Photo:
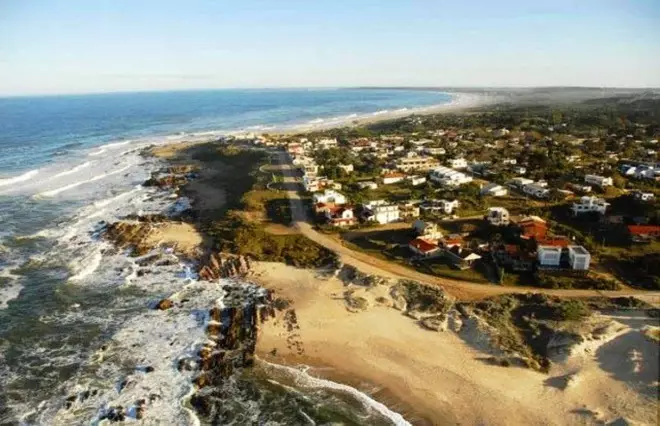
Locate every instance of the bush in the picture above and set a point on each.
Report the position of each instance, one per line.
(572, 310)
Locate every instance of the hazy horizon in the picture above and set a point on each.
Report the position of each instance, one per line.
(82, 47)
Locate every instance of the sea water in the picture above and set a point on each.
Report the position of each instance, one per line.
(74, 314)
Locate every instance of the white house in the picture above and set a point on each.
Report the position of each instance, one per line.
(417, 180)
(342, 216)
(393, 178)
(511, 161)
(536, 190)
(367, 185)
(449, 177)
(501, 132)
(327, 143)
(457, 163)
(348, 168)
(589, 204)
(643, 196)
(521, 181)
(519, 170)
(448, 206)
(407, 164)
(579, 258)
(497, 216)
(329, 196)
(386, 213)
(434, 150)
(548, 255)
(494, 190)
(598, 180)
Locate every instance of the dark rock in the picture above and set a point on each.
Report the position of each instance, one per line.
(148, 369)
(164, 304)
(115, 414)
(69, 401)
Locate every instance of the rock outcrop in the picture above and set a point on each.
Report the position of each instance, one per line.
(130, 235)
(220, 265)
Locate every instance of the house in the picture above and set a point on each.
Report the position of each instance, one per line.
(295, 148)
(533, 227)
(340, 216)
(521, 182)
(448, 207)
(408, 164)
(461, 258)
(424, 248)
(417, 180)
(330, 196)
(555, 241)
(449, 177)
(501, 132)
(497, 216)
(457, 163)
(643, 233)
(315, 184)
(434, 151)
(510, 161)
(384, 213)
(347, 168)
(536, 190)
(427, 230)
(367, 185)
(598, 180)
(453, 240)
(519, 170)
(578, 258)
(408, 211)
(584, 189)
(589, 204)
(327, 143)
(494, 190)
(643, 196)
(393, 178)
(548, 256)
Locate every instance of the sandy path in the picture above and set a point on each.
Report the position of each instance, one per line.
(460, 289)
(438, 378)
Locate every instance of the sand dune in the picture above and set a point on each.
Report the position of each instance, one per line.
(435, 378)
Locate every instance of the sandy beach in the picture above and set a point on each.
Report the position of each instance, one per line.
(437, 378)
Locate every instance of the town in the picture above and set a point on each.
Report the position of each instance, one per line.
(530, 197)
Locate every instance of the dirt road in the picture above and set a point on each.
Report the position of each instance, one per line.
(371, 265)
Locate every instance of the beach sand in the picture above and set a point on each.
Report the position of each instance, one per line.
(435, 378)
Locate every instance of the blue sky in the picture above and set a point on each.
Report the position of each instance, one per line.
(79, 46)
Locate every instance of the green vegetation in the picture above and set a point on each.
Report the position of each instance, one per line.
(547, 280)
(240, 226)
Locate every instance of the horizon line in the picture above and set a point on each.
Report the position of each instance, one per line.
(360, 87)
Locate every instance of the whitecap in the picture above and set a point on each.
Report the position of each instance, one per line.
(56, 191)
(73, 170)
(17, 179)
(87, 266)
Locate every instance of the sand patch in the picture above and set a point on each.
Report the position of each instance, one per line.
(436, 377)
(184, 237)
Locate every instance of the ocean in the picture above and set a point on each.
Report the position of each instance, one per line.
(75, 320)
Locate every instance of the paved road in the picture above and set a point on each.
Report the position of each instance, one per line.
(368, 264)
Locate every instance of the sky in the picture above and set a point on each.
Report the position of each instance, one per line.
(82, 46)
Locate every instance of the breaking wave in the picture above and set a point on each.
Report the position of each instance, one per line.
(17, 179)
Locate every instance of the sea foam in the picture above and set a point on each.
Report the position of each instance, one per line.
(17, 179)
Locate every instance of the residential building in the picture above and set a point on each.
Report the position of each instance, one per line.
(494, 190)
(367, 185)
(643, 233)
(511, 161)
(497, 216)
(383, 213)
(434, 150)
(427, 230)
(578, 258)
(501, 132)
(424, 248)
(457, 163)
(643, 196)
(408, 164)
(548, 256)
(340, 216)
(393, 178)
(327, 143)
(519, 170)
(347, 168)
(449, 177)
(536, 190)
(330, 196)
(295, 148)
(533, 227)
(521, 182)
(589, 204)
(417, 180)
(598, 180)
(461, 258)
(408, 211)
